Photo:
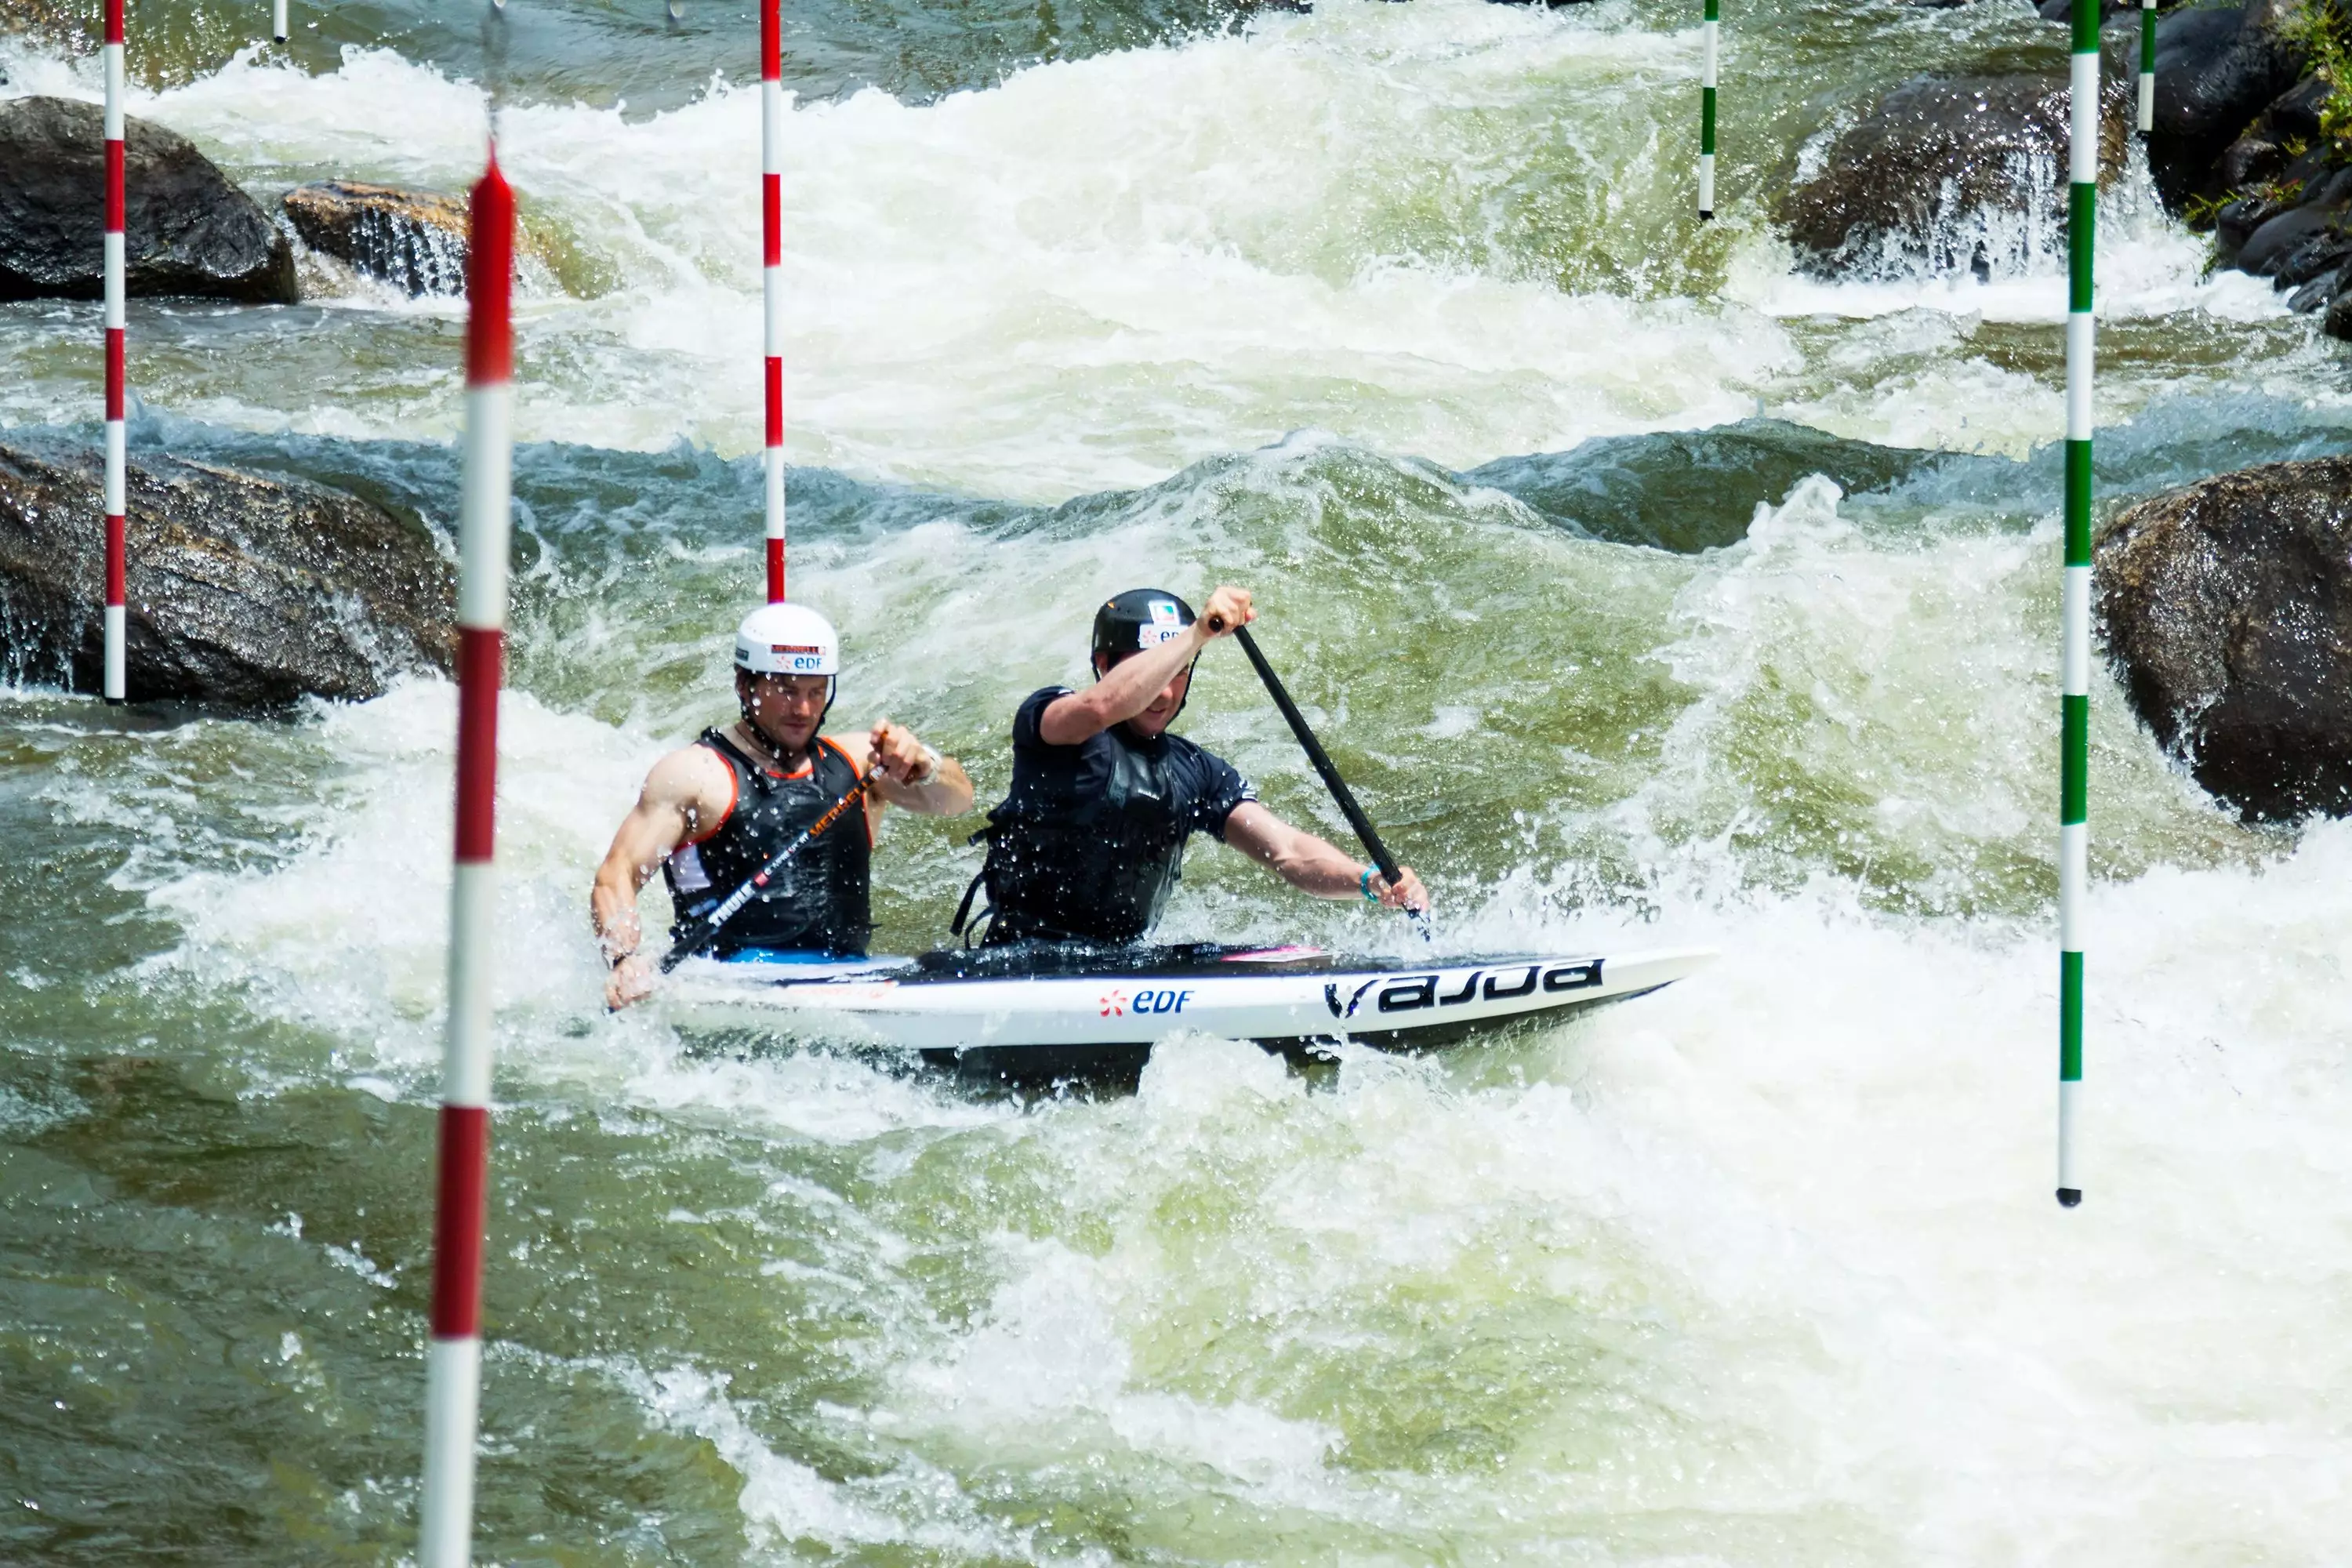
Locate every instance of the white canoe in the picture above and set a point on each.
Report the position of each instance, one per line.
(1031, 1010)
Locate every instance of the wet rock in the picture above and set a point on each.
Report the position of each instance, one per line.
(2214, 74)
(1965, 173)
(2292, 234)
(2337, 323)
(415, 241)
(2286, 131)
(244, 592)
(2228, 611)
(2236, 223)
(2316, 258)
(187, 231)
(2251, 160)
(2297, 245)
(2318, 291)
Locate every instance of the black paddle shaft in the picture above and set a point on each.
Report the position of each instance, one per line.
(735, 901)
(1322, 761)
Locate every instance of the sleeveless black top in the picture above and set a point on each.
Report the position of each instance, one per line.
(819, 901)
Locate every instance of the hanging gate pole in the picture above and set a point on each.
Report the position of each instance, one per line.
(772, 282)
(117, 629)
(2147, 65)
(278, 20)
(1707, 29)
(2074, 663)
(454, 1364)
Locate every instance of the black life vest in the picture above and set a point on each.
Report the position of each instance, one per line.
(819, 900)
(1100, 872)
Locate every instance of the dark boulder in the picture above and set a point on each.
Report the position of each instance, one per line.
(2264, 151)
(1968, 173)
(415, 241)
(2235, 224)
(2294, 234)
(186, 230)
(2318, 290)
(244, 591)
(2228, 611)
(2215, 73)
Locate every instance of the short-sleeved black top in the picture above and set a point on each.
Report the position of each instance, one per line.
(1048, 780)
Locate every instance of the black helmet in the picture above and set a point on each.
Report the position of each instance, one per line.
(1138, 619)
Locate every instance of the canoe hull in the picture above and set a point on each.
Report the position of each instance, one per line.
(982, 1014)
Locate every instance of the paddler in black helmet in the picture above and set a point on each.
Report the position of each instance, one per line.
(1090, 839)
(712, 813)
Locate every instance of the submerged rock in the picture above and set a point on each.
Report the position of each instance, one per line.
(415, 241)
(186, 230)
(244, 591)
(1964, 174)
(1688, 491)
(2228, 608)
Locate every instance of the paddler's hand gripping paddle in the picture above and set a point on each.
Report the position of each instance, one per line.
(1331, 779)
(734, 902)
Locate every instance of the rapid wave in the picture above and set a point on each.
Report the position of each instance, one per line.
(1763, 1268)
(1449, 230)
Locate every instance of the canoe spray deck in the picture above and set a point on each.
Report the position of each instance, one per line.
(1036, 1011)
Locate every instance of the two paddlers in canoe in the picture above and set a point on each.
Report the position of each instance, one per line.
(1086, 846)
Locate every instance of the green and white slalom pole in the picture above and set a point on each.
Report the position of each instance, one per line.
(1707, 30)
(2147, 65)
(2075, 700)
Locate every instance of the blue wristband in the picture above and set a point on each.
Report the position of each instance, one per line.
(1364, 885)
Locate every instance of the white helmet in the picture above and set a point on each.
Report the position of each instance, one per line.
(787, 639)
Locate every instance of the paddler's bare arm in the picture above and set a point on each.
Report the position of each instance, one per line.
(1135, 681)
(908, 774)
(685, 795)
(1315, 865)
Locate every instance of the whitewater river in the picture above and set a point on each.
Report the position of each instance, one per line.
(1649, 593)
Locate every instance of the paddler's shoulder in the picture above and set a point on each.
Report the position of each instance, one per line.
(1031, 714)
(693, 773)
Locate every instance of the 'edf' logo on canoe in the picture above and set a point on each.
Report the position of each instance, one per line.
(1116, 1004)
(1409, 992)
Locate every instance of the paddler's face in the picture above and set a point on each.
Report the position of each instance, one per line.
(786, 708)
(1155, 719)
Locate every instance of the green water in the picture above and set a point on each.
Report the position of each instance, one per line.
(1648, 594)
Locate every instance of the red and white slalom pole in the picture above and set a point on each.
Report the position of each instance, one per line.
(772, 282)
(454, 1385)
(117, 482)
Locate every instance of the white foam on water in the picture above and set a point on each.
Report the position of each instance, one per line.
(787, 1502)
(1801, 1206)
(1082, 277)
(1764, 1267)
(348, 934)
(2148, 264)
(1088, 277)
(784, 1499)
(1766, 1261)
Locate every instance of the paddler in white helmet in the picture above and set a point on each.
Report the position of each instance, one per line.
(712, 813)
(1089, 841)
